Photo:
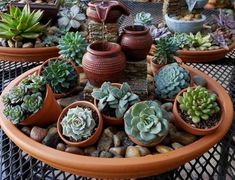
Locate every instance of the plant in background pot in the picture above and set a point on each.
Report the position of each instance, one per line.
(146, 123)
(61, 75)
(28, 102)
(199, 41)
(170, 80)
(143, 18)
(197, 110)
(80, 124)
(113, 100)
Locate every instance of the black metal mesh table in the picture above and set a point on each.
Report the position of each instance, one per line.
(217, 163)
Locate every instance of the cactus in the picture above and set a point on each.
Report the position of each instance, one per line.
(111, 97)
(143, 19)
(198, 103)
(78, 124)
(170, 80)
(72, 47)
(147, 122)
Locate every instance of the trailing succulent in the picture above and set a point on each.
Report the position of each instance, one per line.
(78, 124)
(147, 122)
(170, 80)
(24, 99)
(21, 24)
(198, 103)
(143, 19)
(72, 47)
(60, 75)
(112, 98)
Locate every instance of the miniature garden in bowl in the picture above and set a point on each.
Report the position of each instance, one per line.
(80, 125)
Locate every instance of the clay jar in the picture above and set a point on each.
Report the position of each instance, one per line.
(136, 42)
(104, 61)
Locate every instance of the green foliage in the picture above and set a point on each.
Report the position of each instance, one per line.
(170, 80)
(143, 19)
(146, 121)
(200, 41)
(181, 39)
(72, 47)
(111, 97)
(24, 99)
(78, 124)
(198, 103)
(21, 24)
(60, 75)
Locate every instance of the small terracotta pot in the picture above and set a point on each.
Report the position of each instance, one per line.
(104, 61)
(112, 121)
(78, 69)
(179, 121)
(95, 136)
(136, 141)
(136, 42)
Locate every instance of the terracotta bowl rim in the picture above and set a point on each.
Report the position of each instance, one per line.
(139, 32)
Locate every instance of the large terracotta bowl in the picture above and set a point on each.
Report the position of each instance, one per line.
(120, 168)
(28, 54)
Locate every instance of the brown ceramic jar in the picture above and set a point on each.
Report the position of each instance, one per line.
(136, 42)
(104, 61)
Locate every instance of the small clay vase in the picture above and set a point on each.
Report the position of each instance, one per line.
(104, 61)
(136, 42)
(106, 11)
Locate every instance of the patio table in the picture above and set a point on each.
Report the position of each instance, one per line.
(217, 163)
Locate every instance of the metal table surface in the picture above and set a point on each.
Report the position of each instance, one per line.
(217, 163)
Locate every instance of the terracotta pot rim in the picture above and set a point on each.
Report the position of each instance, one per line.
(128, 30)
(93, 3)
(80, 104)
(114, 48)
(136, 141)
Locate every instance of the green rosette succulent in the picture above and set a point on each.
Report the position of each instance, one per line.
(170, 80)
(78, 124)
(117, 99)
(14, 113)
(72, 47)
(198, 103)
(147, 122)
(200, 41)
(143, 18)
(32, 103)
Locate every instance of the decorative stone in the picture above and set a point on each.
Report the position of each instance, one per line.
(118, 151)
(95, 153)
(171, 116)
(10, 43)
(52, 137)
(89, 150)
(18, 44)
(74, 150)
(61, 147)
(198, 80)
(110, 131)
(52, 30)
(163, 149)
(149, 70)
(167, 106)
(106, 154)
(105, 143)
(143, 150)
(87, 92)
(63, 102)
(127, 142)
(132, 151)
(27, 45)
(176, 145)
(38, 44)
(116, 140)
(38, 133)
(26, 130)
(150, 79)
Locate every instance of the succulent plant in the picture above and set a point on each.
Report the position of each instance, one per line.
(72, 47)
(60, 75)
(166, 49)
(219, 38)
(170, 80)
(224, 21)
(147, 122)
(111, 97)
(24, 99)
(71, 18)
(143, 19)
(180, 39)
(158, 33)
(198, 103)
(200, 41)
(21, 24)
(78, 124)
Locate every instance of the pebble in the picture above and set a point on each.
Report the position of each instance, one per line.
(27, 45)
(198, 80)
(143, 150)
(110, 131)
(95, 153)
(176, 145)
(52, 138)
(118, 151)
(38, 133)
(18, 44)
(167, 106)
(52, 30)
(105, 143)
(26, 130)
(89, 150)
(150, 79)
(171, 116)
(149, 70)
(74, 150)
(63, 102)
(127, 142)
(116, 140)
(61, 147)
(106, 154)
(132, 151)
(10, 43)
(163, 149)
(38, 44)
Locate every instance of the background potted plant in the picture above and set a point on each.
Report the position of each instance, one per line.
(80, 124)
(146, 123)
(29, 101)
(61, 75)
(113, 100)
(197, 111)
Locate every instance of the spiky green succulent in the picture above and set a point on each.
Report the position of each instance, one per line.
(21, 24)
(143, 19)
(200, 41)
(170, 80)
(147, 122)
(111, 97)
(72, 47)
(24, 99)
(198, 103)
(60, 75)
(78, 124)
